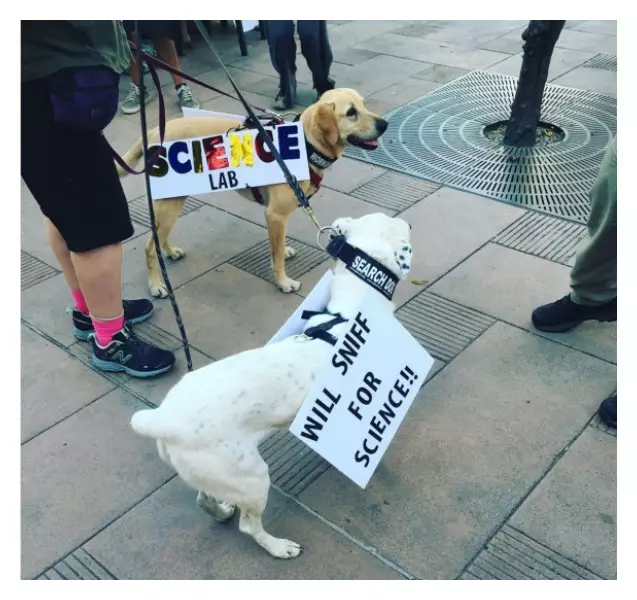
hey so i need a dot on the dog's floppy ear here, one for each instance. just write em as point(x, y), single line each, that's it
point(403, 258)
point(325, 122)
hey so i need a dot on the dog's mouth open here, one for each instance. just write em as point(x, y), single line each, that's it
point(354, 140)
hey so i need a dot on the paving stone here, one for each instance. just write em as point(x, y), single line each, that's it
point(443, 328)
point(573, 510)
point(587, 42)
point(405, 91)
point(509, 285)
point(602, 61)
point(352, 57)
point(227, 311)
point(435, 52)
point(511, 554)
point(78, 565)
point(208, 236)
point(394, 191)
point(350, 34)
point(439, 73)
point(33, 270)
point(448, 226)
point(603, 27)
point(345, 175)
point(379, 106)
point(155, 389)
point(379, 72)
point(80, 475)
point(418, 29)
point(32, 235)
point(45, 374)
point(595, 80)
point(181, 541)
point(474, 33)
point(562, 61)
point(328, 205)
point(49, 316)
point(477, 437)
point(543, 236)
point(510, 43)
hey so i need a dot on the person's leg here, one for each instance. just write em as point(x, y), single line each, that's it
point(79, 192)
point(168, 53)
point(316, 49)
point(282, 47)
point(594, 275)
point(132, 102)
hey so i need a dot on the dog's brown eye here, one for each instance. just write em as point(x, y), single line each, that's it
point(351, 112)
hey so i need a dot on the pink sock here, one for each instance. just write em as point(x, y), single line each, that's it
point(105, 330)
point(80, 301)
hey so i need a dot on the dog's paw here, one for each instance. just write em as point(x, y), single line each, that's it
point(290, 252)
point(287, 285)
point(281, 548)
point(175, 253)
point(220, 510)
point(158, 290)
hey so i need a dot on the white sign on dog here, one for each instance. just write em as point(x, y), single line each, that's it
point(358, 402)
point(223, 162)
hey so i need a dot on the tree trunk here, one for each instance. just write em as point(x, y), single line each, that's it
point(539, 40)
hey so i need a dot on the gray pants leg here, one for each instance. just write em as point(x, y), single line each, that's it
point(282, 48)
point(316, 49)
point(594, 275)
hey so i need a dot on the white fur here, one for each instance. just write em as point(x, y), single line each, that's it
point(211, 423)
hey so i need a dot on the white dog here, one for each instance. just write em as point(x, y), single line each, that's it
point(211, 423)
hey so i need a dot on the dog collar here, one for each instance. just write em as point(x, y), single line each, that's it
point(314, 156)
point(362, 265)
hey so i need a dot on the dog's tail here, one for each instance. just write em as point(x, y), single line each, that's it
point(131, 158)
point(148, 422)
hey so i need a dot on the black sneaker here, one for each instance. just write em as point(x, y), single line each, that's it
point(325, 86)
point(563, 315)
point(129, 354)
point(135, 311)
point(608, 411)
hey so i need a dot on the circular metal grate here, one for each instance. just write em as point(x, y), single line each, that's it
point(439, 137)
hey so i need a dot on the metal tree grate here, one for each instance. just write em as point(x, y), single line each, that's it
point(439, 137)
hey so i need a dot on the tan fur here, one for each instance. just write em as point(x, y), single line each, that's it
point(326, 126)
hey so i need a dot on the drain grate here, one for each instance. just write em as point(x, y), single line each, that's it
point(256, 260)
point(442, 327)
point(138, 209)
point(543, 236)
point(513, 555)
point(394, 191)
point(439, 138)
point(606, 62)
point(80, 565)
point(293, 466)
point(33, 270)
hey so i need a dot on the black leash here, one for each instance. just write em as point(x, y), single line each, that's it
point(151, 211)
point(291, 180)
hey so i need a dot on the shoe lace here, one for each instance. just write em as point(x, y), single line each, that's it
point(186, 94)
point(133, 94)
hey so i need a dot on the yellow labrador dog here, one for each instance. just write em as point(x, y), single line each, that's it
point(338, 119)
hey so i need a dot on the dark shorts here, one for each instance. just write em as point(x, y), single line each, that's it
point(71, 175)
point(153, 29)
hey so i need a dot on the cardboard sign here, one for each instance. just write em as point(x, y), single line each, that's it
point(359, 400)
point(224, 162)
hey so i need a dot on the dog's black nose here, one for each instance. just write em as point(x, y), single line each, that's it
point(381, 126)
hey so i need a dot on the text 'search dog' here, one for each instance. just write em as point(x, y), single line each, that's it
point(211, 423)
point(337, 120)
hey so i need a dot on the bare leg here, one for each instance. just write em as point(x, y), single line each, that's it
point(62, 253)
point(99, 273)
point(168, 53)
